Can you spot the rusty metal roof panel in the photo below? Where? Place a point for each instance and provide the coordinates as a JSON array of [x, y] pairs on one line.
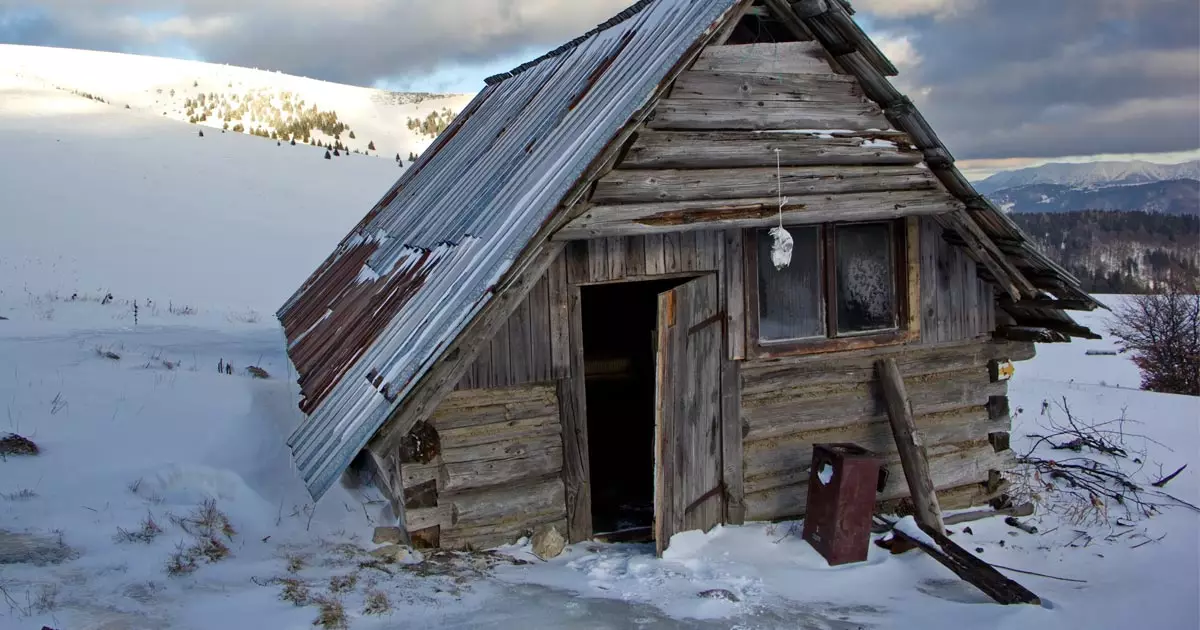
[[423, 262]]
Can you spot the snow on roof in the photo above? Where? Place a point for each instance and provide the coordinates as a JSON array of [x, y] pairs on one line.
[[410, 277]]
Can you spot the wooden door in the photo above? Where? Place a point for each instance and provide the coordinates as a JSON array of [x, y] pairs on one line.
[[688, 490]]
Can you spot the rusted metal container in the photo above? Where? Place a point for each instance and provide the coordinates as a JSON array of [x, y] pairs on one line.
[[841, 498]]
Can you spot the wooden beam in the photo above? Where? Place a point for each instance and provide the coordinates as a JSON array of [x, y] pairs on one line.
[[1030, 333], [572, 398], [654, 185], [966, 566], [704, 114], [731, 441], [804, 57], [913, 456], [793, 88], [740, 149], [668, 218]]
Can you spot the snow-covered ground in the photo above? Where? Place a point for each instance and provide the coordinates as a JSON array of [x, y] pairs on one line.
[[134, 423]]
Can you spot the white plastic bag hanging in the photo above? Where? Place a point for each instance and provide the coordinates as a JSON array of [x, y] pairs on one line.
[[781, 248]]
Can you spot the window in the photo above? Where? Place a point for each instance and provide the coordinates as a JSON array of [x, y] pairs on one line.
[[844, 281]]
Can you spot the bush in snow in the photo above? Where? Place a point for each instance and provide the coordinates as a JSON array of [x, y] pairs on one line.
[[1163, 333], [332, 615], [13, 444], [377, 603]]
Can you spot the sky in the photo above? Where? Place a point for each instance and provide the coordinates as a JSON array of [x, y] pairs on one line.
[[1006, 83]]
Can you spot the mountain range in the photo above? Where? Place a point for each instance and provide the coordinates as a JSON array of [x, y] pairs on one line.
[[1133, 186]]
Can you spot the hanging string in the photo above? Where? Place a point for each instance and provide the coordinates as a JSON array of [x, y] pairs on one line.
[[781, 249]]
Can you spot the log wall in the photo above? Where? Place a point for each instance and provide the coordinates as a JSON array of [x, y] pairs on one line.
[[497, 474], [955, 303], [790, 404]]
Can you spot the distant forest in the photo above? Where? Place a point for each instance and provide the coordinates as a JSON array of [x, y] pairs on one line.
[[1118, 251]]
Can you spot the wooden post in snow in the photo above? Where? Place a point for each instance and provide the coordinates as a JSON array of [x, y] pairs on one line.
[[913, 456], [984, 576]]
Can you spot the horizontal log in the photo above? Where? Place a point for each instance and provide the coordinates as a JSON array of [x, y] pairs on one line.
[[684, 216], [960, 468], [522, 445], [508, 503], [697, 114], [525, 428], [464, 399], [734, 86], [768, 418], [459, 476], [633, 186], [784, 58], [765, 377], [734, 149], [428, 517], [939, 431], [489, 536]]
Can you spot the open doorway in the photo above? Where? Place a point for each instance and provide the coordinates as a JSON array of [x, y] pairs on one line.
[[619, 340]]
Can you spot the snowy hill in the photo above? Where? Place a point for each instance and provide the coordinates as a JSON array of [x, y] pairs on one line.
[[102, 199], [1090, 175], [1174, 196], [255, 100]]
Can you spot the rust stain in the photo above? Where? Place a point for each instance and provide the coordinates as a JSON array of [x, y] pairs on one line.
[[709, 215]]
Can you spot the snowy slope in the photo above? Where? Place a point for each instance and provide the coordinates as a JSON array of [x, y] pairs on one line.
[[134, 423], [99, 199], [1090, 175], [161, 86]]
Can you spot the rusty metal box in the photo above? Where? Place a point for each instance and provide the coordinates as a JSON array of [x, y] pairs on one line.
[[842, 485]]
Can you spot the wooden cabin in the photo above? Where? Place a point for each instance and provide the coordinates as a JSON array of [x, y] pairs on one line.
[[566, 312]]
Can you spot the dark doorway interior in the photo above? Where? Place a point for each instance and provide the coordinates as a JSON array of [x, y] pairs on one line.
[[619, 339]]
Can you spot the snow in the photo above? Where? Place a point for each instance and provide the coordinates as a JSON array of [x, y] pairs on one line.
[[208, 236]]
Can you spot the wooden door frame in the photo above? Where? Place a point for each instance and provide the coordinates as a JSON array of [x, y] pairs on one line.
[[572, 398]]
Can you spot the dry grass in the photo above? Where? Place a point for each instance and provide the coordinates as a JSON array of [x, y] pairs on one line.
[[20, 495], [45, 599], [295, 564], [13, 444], [295, 591], [107, 354], [145, 534], [331, 614], [343, 583], [181, 562], [377, 603], [206, 521], [257, 372]]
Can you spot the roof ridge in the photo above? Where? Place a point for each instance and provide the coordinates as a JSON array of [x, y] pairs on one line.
[[571, 45]]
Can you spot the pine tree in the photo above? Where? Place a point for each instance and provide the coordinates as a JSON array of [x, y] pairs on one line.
[[201, 133], [327, 156], [293, 142], [370, 145], [351, 135], [335, 152]]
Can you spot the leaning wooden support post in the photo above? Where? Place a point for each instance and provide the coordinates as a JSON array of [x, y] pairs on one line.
[[966, 566], [913, 456]]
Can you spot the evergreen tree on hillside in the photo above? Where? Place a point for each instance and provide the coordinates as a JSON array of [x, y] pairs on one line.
[[327, 156], [370, 145], [351, 135], [335, 152]]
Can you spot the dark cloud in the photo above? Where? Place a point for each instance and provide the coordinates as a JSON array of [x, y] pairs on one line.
[[352, 41], [1030, 78], [998, 78]]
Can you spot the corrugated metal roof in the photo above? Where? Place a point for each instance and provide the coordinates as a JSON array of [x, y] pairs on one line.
[[403, 285]]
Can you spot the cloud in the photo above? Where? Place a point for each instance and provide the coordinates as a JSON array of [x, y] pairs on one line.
[[352, 41], [1035, 79]]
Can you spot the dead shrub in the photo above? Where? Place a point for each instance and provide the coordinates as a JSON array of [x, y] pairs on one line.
[[107, 354], [13, 444], [257, 372], [211, 549], [45, 599], [1163, 333], [377, 603], [331, 614], [181, 562], [206, 521], [20, 495], [295, 564]]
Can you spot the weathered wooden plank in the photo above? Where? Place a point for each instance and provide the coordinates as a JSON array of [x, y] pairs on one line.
[[731, 442], [500, 376], [966, 566], [633, 186], [913, 454], [656, 261], [559, 312], [480, 434], [733, 273], [713, 114], [671, 252], [635, 256], [930, 327], [708, 250], [541, 355], [671, 218], [520, 346], [616, 258], [429, 517], [688, 258], [745, 149], [833, 88], [784, 58], [912, 253], [597, 259], [578, 266], [576, 473]]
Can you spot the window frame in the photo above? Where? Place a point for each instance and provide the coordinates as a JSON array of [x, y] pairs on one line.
[[906, 283]]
